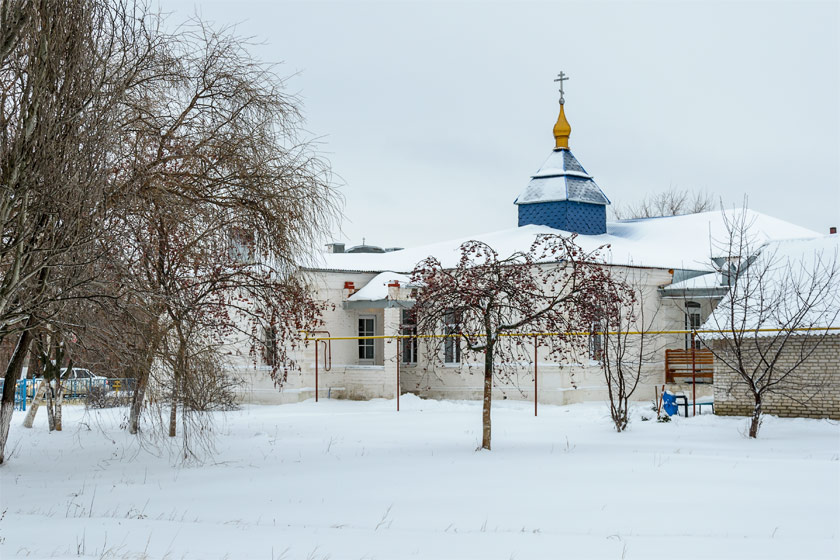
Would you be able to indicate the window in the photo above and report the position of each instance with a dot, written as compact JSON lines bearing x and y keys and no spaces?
{"x":596,"y":341}
{"x":408,"y":327}
{"x":692,"y":322}
{"x":367,"y":324}
{"x":241,"y":249}
{"x":76,"y":373}
{"x":269,"y":346}
{"x":451,"y":344}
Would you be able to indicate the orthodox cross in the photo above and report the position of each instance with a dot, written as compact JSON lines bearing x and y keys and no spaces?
{"x":561,"y":77}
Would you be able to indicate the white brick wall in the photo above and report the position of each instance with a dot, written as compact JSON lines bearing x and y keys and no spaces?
{"x":816,"y":393}
{"x":558,"y":384}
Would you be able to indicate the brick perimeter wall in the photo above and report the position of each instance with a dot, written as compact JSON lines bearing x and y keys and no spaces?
{"x":815,"y":395}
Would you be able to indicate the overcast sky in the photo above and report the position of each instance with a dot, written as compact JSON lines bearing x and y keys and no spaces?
{"x":434,"y":115}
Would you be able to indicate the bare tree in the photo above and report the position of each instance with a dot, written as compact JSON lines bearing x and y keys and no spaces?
{"x":51,"y":353}
{"x":63,"y":65}
{"x":487,"y":296}
{"x":114,"y":131}
{"x":620,"y":320}
{"x":225,"y":202}
{"x":212,"y":387}
{"x":673,"y":202}
{"x":782,"y":298}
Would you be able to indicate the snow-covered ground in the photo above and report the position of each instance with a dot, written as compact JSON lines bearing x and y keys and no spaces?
{"x":354,"y":480}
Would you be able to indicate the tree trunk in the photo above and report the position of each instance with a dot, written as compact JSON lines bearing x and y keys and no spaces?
{"x":37,"y":400}
{"x":7,"y":404}
{"x":173,"y":412}
{"x":179,"y":376}
{"x":488,"y":394}
{"x":756,"y":419}
{"x":59,"y":397}
{"x":51,"y":410}
{"x":142,"y":377}
{"x":137,"y":401}
{"x":620,"y":414}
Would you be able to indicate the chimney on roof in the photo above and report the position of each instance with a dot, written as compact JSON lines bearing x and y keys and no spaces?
{"x":832,"y":230}
{"x":335,"y":247}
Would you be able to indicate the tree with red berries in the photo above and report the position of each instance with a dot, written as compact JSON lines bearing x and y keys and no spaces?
{"x":487,"y":296}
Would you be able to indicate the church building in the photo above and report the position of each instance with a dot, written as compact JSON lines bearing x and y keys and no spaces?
{"x":371,"y":295}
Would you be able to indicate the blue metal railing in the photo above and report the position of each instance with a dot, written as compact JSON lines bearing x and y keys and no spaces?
{"x":73,"y":389}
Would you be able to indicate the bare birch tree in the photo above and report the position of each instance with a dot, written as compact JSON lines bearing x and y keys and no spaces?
{"x":620,"y":319}
{"x":778,"y":311}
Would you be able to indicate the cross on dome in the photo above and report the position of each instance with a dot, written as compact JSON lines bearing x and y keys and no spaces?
{"x":562,"y":129}
{"x":561,"y":77}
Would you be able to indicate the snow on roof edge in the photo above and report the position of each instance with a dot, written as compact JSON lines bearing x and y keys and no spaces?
{"x":671,"y":242}
{"x":377,"y":288}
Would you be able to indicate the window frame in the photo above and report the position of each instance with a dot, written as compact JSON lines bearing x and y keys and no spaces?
{"x":408,"y":327}
{"x":241,"y":246}
{"x":596,"y":342}
{"x":369,"y":343}
{"x":269,"y":348}
{"x":692,"y":309}
{"x":451,"y":344}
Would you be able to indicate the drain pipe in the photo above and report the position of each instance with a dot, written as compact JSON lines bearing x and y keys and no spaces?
{"x":399,"y":343}
{"x":327,"y":359}
{"x":535,"y":374}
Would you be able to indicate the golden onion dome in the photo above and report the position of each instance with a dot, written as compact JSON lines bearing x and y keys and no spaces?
{"x":562,"y":130}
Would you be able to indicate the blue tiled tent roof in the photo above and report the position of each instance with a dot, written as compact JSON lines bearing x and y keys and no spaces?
{"x":562,"y":177}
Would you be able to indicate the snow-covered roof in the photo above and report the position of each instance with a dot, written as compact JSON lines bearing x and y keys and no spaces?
{"x":705,"y":286}
{"x":562,"y":177}
{"x":703,"y":282}
{"x":786,"y":268}
{"x":678,"y":242}
{"x":377,"y":288}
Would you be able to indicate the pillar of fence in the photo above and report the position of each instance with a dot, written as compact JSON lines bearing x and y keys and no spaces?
{"x":392,"y":318}
{"x":693,"y":373}
{"x":22,"y":393}
{"x":536,"y":346}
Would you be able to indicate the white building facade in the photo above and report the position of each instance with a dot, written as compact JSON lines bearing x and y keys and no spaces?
{"x":369,"y":294}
